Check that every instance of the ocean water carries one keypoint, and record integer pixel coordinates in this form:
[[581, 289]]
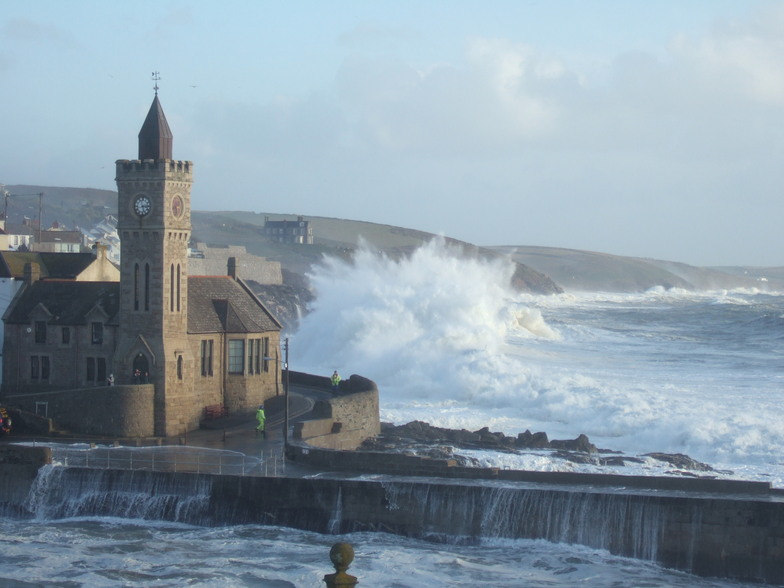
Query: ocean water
[[672, 371], [110, 552], [446, 340]]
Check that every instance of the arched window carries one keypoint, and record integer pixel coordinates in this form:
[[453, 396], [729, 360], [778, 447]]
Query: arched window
[[179, 367], [136, 286], [179, 274], [171, 288], [146, 286]]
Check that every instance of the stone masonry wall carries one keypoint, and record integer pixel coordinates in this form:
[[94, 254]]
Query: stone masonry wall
[[249, 266], [116, 411], [19, 467], [344, 420], [717, 535]]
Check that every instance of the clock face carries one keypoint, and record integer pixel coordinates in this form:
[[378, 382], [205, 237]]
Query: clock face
[[176, 205], [142, 205]]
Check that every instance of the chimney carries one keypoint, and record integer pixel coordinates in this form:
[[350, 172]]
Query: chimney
[[233, 267], [32, 273]]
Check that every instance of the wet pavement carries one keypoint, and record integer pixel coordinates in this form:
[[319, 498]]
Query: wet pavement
[[239, 435]]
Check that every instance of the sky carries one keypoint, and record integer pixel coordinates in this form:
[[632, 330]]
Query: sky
[[641, 128]]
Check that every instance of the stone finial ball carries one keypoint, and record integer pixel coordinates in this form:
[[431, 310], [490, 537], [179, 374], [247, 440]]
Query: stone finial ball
[[341, 554]]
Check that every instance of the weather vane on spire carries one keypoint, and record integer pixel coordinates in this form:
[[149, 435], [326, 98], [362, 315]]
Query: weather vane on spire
[[156, 76]]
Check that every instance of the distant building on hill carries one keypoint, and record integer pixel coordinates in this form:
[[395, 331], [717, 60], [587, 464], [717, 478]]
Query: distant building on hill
[[299, 231], [19, 236], [58, 241], [105, 233]]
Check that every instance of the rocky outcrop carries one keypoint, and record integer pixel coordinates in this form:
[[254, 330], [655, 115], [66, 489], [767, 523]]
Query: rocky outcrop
[[421, 432], [288, 302], [424, 440]]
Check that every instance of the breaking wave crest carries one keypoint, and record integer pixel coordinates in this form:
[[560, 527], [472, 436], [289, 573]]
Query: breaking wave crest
[[448, 341]]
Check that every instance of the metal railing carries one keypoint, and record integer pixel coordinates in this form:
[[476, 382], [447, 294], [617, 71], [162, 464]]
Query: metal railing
[[171, 459]]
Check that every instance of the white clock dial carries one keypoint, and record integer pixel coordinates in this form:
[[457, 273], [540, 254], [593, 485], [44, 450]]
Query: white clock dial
[[142, 205]]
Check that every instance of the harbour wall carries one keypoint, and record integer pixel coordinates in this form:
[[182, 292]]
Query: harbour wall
[[736, 536], [112, 411], [345, 419]]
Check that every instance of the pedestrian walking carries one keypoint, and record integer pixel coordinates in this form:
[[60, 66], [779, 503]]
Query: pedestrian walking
[[261, 418]]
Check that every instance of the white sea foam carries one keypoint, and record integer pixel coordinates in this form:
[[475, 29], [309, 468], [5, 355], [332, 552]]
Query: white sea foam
[[110, 553], [449, 342]]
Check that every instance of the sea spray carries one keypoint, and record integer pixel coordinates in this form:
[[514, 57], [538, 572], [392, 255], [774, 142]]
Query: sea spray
[[63, 492], [449, 342], [431, 325]]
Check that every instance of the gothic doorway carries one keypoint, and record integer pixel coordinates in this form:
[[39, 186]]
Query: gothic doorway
[[141, 369]]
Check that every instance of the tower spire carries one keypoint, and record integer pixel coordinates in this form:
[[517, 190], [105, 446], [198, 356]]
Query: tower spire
[[155, 138]]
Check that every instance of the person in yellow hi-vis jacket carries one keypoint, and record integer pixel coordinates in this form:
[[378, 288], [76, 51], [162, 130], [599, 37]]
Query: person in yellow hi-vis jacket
[[261, 417], [335, 379]]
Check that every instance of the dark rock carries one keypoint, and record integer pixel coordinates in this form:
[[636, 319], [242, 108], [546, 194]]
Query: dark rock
[[583, 458], [680, 460], [539, 441], [421, 438], [488, 439], [580, 444], [612, 461]]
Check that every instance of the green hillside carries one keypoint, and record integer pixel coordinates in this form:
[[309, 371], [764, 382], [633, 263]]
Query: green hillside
[[540, 269]]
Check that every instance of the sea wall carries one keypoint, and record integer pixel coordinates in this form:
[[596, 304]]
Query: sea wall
[[115, 411], [401, 464], [19, 468], [342, 420], [730, 536]]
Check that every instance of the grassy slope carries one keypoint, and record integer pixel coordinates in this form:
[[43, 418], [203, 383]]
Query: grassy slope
[[570, 269]]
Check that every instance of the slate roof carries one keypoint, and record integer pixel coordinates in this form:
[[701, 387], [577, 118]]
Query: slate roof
[[16, 229], [155, 137], [66, 266], [220, 304], [216, 304], [64, 236], [67, 301]]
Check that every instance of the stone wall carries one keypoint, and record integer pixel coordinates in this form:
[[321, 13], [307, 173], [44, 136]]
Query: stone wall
[[249, 266], [19, 467], [67, 362], [737, 536], [344, 420], [401, 464], [114, 411]]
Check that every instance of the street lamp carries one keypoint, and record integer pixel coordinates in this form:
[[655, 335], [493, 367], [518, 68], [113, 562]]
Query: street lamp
[[285, 386], [286, 392]]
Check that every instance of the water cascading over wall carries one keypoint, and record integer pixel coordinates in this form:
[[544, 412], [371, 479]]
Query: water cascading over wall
[[738, 537]]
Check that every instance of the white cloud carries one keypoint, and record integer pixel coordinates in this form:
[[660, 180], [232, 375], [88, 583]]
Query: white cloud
[[744, 58]]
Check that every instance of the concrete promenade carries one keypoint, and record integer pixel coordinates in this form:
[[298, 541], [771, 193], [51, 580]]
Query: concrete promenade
[[239, 435]]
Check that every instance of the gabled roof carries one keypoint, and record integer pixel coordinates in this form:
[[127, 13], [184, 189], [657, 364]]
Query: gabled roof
[[67, 301], [17, 229], [65, 266], [64, 236], [155, 138], [218, 304]]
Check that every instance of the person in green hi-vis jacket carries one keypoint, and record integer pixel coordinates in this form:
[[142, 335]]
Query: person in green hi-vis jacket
[[261, 417]]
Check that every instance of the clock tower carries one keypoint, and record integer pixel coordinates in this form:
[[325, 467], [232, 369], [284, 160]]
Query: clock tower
[[154, 226]]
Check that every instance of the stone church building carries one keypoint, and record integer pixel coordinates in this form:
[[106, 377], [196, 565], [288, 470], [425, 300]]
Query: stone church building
[[173, 343]]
